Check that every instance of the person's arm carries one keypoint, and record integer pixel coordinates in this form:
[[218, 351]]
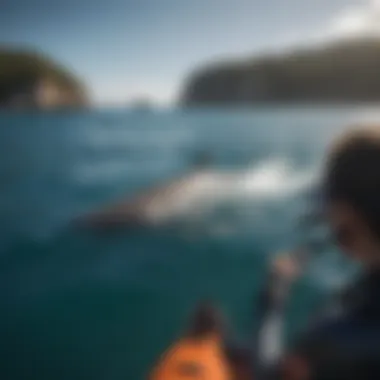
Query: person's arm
[[268, 336], [294, 367], [345, 347]]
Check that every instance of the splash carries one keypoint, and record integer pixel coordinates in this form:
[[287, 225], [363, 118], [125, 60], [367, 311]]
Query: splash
[[228, 203], [276, 177]]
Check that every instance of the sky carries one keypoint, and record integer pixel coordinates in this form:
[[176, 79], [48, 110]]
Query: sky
[[124, 49]]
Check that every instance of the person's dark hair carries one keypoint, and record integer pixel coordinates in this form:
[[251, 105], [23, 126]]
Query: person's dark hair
[[352, 174], [205, 320]]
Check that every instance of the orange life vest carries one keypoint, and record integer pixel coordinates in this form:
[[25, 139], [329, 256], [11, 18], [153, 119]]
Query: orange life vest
[[193, 358]]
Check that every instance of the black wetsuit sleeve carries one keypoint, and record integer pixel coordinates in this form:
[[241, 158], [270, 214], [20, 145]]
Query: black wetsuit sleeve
[[274, 295], [344, 348]]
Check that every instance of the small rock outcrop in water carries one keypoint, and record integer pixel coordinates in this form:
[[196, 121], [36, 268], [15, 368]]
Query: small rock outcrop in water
[[341, 72], [31, 80], [141, 104]]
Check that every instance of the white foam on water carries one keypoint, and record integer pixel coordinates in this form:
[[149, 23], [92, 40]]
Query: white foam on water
[[275, 177], [201, 194], [217, 201]]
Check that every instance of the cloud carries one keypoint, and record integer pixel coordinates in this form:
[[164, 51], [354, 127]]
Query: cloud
[[358, 21], [350, 22]]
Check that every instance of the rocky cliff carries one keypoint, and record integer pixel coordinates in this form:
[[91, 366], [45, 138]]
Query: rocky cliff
[[341, 72], [31, 80]]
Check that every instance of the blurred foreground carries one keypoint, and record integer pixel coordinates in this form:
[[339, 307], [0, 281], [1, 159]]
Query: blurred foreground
[[85, 304]]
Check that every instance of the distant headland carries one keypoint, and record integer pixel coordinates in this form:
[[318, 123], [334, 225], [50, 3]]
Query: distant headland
[[142, 103], [30, 80], [342, 72]]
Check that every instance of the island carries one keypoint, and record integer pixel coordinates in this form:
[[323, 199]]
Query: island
[[141, 104], [30, 80], [346, 71]]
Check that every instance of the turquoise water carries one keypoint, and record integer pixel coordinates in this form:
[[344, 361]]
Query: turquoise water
[[82, 304]]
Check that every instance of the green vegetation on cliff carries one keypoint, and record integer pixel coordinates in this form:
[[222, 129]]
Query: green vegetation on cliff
[[341, 72], [22, 72]]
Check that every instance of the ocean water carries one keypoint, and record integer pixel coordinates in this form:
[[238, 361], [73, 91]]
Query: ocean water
[[82, 304]]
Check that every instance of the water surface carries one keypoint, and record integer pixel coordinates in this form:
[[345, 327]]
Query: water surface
[[78, 304]]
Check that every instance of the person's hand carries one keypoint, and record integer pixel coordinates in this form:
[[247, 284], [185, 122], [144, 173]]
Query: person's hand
[[285, 266]]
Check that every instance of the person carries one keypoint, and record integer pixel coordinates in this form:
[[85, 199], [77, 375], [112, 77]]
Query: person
[[344, 342]]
